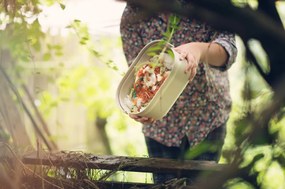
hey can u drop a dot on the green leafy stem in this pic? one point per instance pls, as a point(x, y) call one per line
point(163, 45)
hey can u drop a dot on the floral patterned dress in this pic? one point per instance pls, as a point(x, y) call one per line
point(205, 103)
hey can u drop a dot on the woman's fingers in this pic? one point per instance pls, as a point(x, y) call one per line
point(192, 73)
point(191, 67)
point(141, 119)
point(182, 53)
point(192, 62)
point(145, 120)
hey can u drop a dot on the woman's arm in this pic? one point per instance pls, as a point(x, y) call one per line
point(211, 53)
point(220, 53)
point(195, 52)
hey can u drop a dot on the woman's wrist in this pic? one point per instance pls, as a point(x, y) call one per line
point(211, 53)
point(199, 49)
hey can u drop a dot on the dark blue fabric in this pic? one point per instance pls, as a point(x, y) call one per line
point(158, 150)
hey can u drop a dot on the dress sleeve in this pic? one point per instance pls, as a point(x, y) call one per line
point(228, 42)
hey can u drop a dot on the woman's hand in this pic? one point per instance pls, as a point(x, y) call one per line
point(143, 120)
point(192, 54)
point(196, 52)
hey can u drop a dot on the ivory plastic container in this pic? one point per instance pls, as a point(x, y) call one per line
point(168, 92)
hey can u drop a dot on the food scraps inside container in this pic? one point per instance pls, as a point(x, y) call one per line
point(149, 76)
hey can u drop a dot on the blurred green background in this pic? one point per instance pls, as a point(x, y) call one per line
point(68, 55)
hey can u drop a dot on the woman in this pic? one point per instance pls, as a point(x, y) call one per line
point(201, 112)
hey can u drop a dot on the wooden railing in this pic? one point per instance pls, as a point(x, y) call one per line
point(74, 168)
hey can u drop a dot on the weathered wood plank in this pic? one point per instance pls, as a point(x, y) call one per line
point(32, 182)
point(120, 163)
point(53, 183)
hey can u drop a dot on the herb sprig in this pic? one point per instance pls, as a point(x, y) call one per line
point(162, 46)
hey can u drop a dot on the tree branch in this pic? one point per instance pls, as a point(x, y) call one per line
point(269, 8)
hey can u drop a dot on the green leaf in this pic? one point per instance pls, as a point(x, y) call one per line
point(82, 42)
point(201, 148)
point(46, 56)
point(58, 53)
point(62, 6)
point(86, 38)
point(96, 53)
